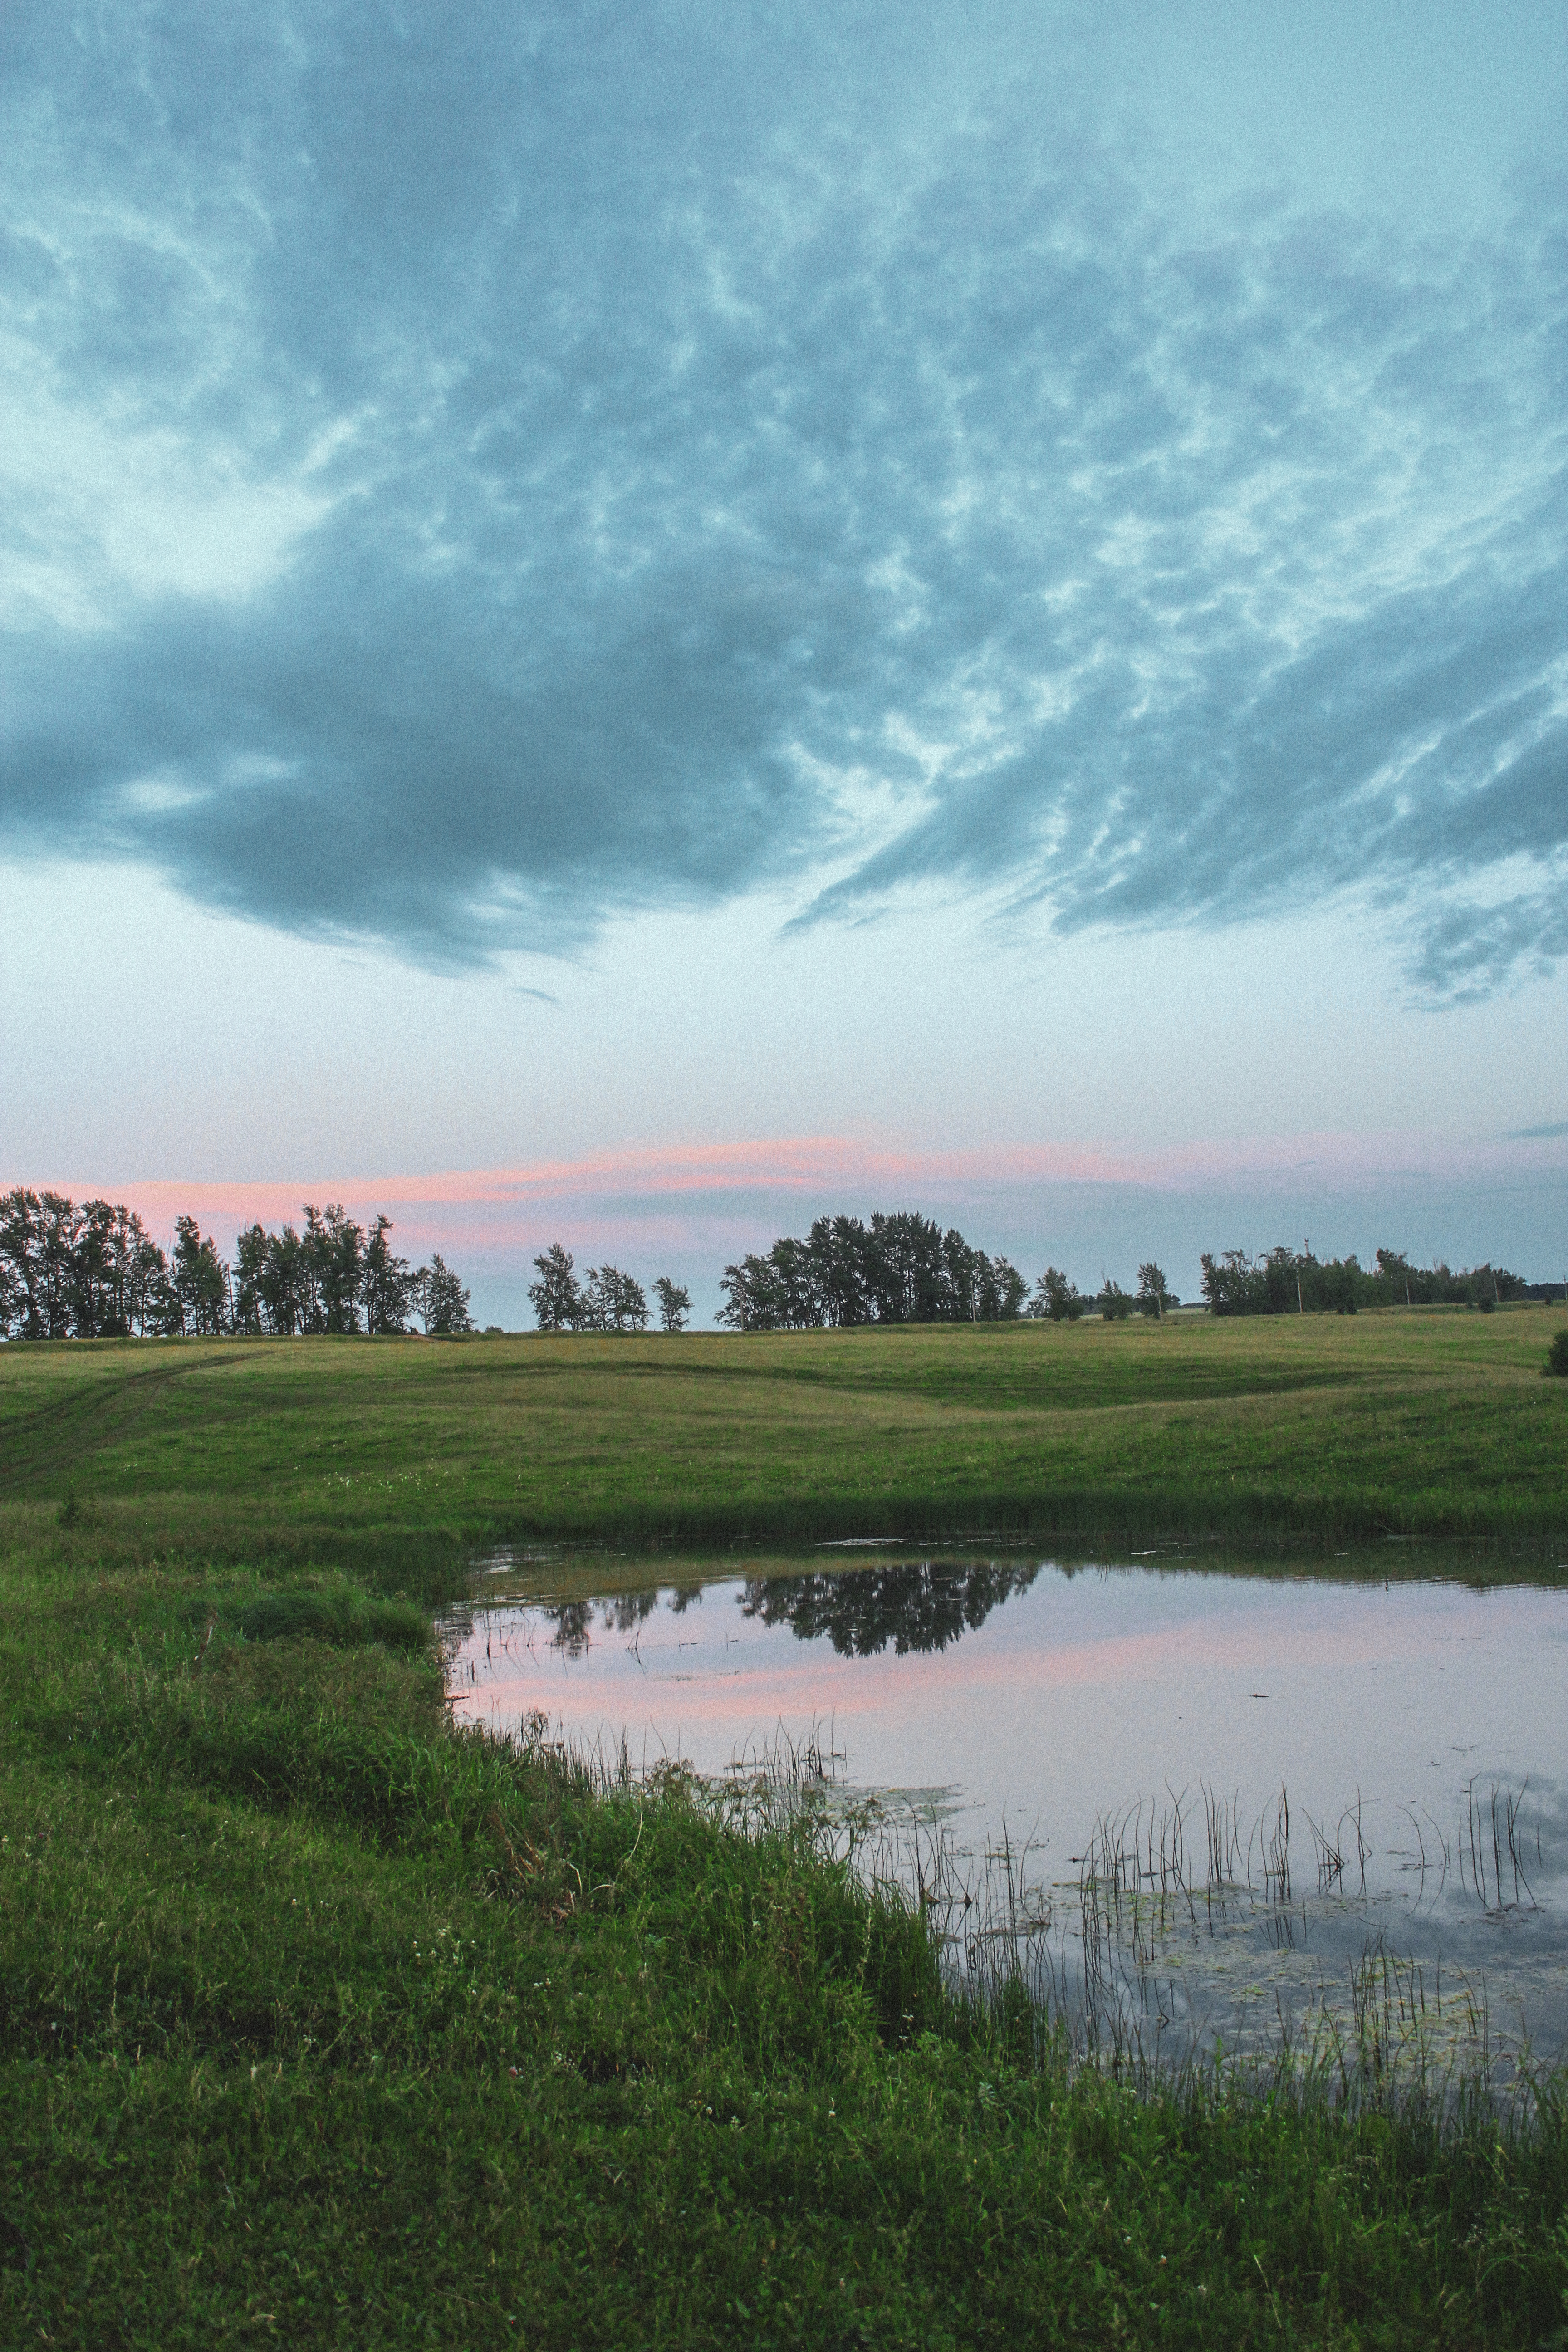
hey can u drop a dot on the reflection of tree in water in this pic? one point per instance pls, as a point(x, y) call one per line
point(915, 1604)
point(573, 1620)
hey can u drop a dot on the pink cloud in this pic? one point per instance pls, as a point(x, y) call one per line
point(662, 1191)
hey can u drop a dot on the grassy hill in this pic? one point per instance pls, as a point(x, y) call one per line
point(1314, 1427)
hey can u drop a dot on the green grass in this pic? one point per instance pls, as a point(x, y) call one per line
point(321, 2024)
point(1315, 1428)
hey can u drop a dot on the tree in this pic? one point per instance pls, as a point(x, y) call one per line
point(1232, 1284)
point(612, 1301)
point(1155, 1298)
point(905, 1268)
point(197, 1281)
point(1058, 1298)
point(1115, 1304)
point(836, 1249)
point(286, 1285)
point(21, 1253)
point(250, 1254)
point(754, 1297)
point(94, 1315)
point(95, 1272)
point(332, 1247)
point(150, 1287)
point(132, 1257)
point(441, 1299)
point(674, 1303)
point(20, 1232)
point(1394, 1271)
point(555, 1298)
point(1000, 1290)
point(58, 1229)
point(901, 1269)
point(385, 1282)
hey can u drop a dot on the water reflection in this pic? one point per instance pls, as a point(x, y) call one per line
point(1220, 1791)
point(617, 1612)
point(914, 1604)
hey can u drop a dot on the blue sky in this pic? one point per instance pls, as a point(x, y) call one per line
point(612, 580)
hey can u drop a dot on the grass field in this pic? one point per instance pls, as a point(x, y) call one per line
point(320, 2024)
point(1318, 1428)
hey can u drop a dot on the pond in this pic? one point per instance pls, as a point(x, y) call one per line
point(1191, 1805)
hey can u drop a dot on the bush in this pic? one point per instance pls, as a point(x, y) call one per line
point(1557, 1365)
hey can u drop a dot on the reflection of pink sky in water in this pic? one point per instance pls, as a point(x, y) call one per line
point(1089, 1690)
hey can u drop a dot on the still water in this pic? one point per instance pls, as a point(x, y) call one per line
point(1351, 1764)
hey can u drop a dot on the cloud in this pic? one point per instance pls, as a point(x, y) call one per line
point(483, 473)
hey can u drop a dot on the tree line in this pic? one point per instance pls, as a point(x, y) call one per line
point(605, 1300)
point(1283, 1281)
point(94, 1272)
point(903, 1268)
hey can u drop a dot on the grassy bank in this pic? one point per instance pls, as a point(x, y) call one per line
point(321, 2025)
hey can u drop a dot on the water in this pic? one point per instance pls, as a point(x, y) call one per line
point(1311, 1768)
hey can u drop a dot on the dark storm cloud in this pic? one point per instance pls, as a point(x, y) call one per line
point(722, 458)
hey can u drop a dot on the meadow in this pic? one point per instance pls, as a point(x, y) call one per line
point(321, 2022)
point(1317, 1428)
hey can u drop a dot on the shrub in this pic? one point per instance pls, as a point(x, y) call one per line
point(1557, 1365)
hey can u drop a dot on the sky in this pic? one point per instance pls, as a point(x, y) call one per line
point(629, 623)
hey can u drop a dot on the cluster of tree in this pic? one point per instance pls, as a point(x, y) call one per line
point(904, 1269)
point(898, 1269)
point(605, 1300)
point(336, 1276)
point(1063, 1302)
point(94, 1272)
point(1285, 1282)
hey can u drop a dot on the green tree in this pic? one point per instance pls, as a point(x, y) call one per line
point(1154, 1297)
point(150, 1287)
point(556, 1297)
point(755, 1299)
point(612, 1301)
point(93, 1313)
point(285, 1283)
point(250, 1254)
point(21, 1255)
point(59, 1229)
point(197, 1281)
point(385, 1282)
point(674, 1303)
point(333, 1246)
point(1058, 1298)
point(1232, 1282)
point(442, 1301)
point(1001, 1291)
